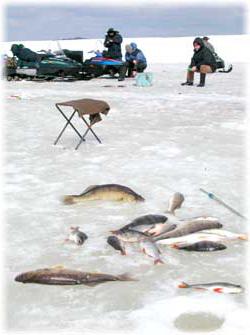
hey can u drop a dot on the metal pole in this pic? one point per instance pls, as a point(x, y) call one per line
point(89, 128)
point(214, 197)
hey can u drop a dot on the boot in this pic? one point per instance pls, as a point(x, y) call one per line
point(188, 83)
point(202, 80)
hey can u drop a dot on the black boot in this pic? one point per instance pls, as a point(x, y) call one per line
point(202, 80)
point(188, 83)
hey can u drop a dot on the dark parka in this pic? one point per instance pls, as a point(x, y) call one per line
point(203, 56)
point(114, 46)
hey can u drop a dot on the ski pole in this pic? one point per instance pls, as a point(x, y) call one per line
point(214, 197)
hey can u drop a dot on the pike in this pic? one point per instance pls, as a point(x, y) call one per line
point(62, 276)
point(200, 246)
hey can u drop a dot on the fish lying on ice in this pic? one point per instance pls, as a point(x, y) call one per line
point(227, 234)
point(200, 246)
point(175, 202)
point(62, 276)
point(192, 238)
point(188, 228)
point(201, 219)
point(152, 224)
point(111, 192)
point(130, 236)
point(150, 249)
point(77, 236)
point(117, 244)
point(218, 287)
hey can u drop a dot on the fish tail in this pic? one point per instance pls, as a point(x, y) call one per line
point(158, 261)
point(183, 285)
point(139, 198)
point(243, 237)
point(126, 277)
point(69, 199)
point(170, 212)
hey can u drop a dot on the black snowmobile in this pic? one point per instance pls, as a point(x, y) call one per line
point(220, 64)
point(27, 64)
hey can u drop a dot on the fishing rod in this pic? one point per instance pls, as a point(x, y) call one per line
point(214, 197)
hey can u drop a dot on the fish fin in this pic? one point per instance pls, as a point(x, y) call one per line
point(183, 285)
point(57, 266)
point(124, 253)
point(89, 188)
point(158, 261)
point(90, 284)
point(218, 290)
point(174, 246)
point(68, 199)
point(126, 277)
point(243, 237)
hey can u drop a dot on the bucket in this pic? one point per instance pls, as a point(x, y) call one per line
point(144, 79)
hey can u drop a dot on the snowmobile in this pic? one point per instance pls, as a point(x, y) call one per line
point(220, 64)
point(100, 65)
point(27, 64)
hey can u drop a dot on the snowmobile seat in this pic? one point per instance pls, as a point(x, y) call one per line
point(83, 107)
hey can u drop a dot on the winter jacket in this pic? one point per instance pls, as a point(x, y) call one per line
point(114, 46)
point(137, 55)
point(203, 56)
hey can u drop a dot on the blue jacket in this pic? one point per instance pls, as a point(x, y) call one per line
point(137, 55)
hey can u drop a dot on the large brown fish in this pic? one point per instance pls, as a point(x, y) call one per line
point(111, 192)
point(63, 276)
point(189, 228)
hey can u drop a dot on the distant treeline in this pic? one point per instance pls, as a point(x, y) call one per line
point(73, 38)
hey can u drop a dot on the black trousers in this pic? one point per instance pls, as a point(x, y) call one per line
point(139, 67)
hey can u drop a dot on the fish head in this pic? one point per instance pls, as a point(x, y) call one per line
point(24, 277)
point(74, 228)
point(116, 232)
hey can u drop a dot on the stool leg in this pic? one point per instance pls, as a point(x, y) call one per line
point(68, 122)
point(92, 131)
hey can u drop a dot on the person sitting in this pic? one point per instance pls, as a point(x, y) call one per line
point(135, 59)
point(113, 41)
point(203, 61)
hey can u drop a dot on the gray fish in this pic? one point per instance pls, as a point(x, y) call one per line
point(150, 249)
point(218, 287)
point(189, 228)
point(77, 236)
point(61, 276)
point(111, 192)
point(152, 224)
point(117, 244)
point(129, 235)
point(201, 246)
point(175, 202)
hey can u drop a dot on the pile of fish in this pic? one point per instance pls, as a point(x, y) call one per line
point(147, 232)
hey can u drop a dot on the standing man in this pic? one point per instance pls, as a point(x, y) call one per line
point(203, 61)
point(113, 41)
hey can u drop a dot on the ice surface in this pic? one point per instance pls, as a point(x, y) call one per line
point(156, 140)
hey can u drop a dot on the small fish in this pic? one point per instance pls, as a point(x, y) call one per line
point(111, 192)
point(218, 287)
point(77, 236)
point(201, 219)
point(150, 249)
point(201, 246)
point(152, 224)
point(189, 228)
point(175, 202)
point(129, 235)
point(117, 244)
point(62, 276)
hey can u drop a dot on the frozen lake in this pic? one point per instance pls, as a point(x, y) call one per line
point(156, 140)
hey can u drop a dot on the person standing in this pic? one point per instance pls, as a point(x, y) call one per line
point(203, 61)
point(113, 41)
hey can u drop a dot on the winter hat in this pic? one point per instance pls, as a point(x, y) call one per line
point(205, 38)
point(133, 45)
point(128, 48)
point(111, 30)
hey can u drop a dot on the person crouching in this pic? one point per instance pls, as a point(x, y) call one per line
point(203, 61)
point(135, 59)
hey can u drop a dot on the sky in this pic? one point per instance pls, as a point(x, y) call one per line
point(27, 22)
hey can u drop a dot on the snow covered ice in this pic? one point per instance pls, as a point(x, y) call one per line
point(156, 140)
